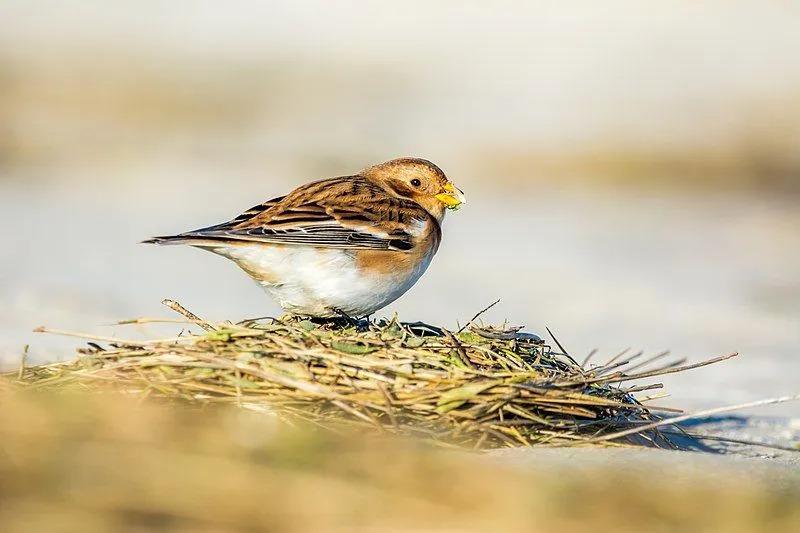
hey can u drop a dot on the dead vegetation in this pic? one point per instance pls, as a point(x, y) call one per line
point(478, 387)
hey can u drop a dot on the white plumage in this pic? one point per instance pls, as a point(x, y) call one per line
point(313, 281)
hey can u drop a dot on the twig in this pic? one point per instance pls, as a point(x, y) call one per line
point(614, 359)
point(588, 358)
point(564, 351)
point(43, 329)
point(462, 354)
point(178, 308)
point(648, 361)
point(479, 313)
point(691, 416)
point(669, 369)
point(148, 320)
point(389, 403)
point(733, 441)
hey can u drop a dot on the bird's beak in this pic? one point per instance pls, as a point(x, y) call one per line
point(452, 197)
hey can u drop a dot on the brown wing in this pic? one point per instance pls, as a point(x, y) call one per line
point(346, 212)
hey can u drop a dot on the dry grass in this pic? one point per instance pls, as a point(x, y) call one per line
point(480, 387)
point(209, 450)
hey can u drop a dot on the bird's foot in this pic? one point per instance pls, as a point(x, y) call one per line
point(361, 324)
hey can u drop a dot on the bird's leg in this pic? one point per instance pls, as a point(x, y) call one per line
point(364, 323)
point(347, 319)
point(361, 324)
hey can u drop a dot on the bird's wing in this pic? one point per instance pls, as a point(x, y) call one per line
point(346, 213)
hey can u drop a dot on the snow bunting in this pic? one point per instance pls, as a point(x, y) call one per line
point(351, 244)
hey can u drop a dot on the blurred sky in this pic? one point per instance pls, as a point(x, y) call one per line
point(631, 167)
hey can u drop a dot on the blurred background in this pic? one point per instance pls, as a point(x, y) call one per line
point(632, 170)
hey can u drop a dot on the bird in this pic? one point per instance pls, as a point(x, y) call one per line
point(343, 246)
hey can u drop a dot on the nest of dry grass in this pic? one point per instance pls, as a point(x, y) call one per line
point(480, 386)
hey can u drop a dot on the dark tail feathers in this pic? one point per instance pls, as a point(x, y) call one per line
point(174, 239)
point(187, 238)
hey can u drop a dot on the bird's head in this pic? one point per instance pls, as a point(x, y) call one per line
point(418, 180)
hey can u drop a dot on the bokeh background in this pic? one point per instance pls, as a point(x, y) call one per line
point(632, 169)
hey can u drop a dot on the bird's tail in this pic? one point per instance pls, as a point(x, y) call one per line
point(169, 239)
point(191, 239)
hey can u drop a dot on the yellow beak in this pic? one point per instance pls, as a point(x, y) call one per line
point(452, 197)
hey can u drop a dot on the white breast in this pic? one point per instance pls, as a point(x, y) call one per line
point(311, 281)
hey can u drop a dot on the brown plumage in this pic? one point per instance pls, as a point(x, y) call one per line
point(351, 244)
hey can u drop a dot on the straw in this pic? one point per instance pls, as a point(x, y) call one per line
point(479, 386)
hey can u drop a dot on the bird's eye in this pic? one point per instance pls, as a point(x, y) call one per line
point(415, 182)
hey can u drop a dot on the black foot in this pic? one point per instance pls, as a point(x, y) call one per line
point(345, 320)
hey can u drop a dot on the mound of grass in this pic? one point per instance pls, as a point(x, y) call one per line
point(478, 387)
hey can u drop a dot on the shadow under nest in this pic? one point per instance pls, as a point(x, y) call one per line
point(478, 387)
